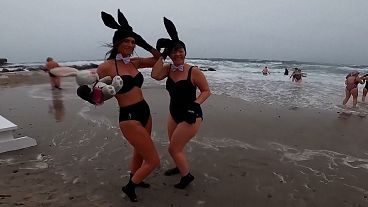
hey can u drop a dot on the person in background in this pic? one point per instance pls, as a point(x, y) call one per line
point(265, 71)
point(365, 89)
point(54, 80)
point(296, 76)
point(286, 71)
point(185, 116)
point(351, 81)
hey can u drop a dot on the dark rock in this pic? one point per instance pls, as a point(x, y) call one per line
point(18, 70)
point(3, 61)
point(211, 69)
point(84, 67)
point(36, 68)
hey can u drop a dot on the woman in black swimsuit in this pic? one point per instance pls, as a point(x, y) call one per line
point(134, 119)
point(185, 111)
point(365, 89)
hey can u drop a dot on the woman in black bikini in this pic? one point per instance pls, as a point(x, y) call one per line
point(134, 119)
point(185, 111)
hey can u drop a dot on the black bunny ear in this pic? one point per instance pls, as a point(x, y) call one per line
point(163, 43)
point(109, 21)
point(170, 28)
point(123, 21)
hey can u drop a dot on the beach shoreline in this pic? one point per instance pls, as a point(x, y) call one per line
point(245, 154)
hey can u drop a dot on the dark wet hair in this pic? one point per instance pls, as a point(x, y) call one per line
point(111, 54)
point(177, 45)
point(121, 35)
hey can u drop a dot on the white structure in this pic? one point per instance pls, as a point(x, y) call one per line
point(8, 142)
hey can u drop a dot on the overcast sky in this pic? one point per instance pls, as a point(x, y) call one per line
point(331, 31)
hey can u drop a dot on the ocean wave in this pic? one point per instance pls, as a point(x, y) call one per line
point(323, 88)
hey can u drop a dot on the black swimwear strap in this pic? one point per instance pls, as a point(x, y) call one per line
point(190, 72)
point(116, 67)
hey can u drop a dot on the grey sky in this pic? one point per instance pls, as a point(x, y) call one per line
point(333, 31)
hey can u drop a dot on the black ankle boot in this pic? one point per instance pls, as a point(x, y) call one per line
point(129, 190)
point(141, 184)
point(172, 171)
point(184, 181)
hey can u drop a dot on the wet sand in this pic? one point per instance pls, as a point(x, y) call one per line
point(245, 154)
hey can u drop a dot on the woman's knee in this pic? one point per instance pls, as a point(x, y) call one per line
point(154, 162)
point(173, 150)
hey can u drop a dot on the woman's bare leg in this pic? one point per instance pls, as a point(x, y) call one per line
point(141, 140)
point(354, 92)
point(182, 134)
point(137, 159)
point(347, 97)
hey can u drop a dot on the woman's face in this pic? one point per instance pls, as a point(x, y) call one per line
point(126, 46)
point(178, 56)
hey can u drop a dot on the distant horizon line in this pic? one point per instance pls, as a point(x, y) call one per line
point(225, 58)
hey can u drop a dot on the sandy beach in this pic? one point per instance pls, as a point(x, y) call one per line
point(245, 154)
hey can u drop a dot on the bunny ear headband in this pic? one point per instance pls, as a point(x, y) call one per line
point(123, 29)
point(171, 30)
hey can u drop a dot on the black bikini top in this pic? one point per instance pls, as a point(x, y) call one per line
point(129, 81)
point(182, 91)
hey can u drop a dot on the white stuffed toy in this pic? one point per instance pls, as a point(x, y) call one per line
point(90, 79)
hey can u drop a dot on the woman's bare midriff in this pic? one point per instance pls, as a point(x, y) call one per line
point(131, 97)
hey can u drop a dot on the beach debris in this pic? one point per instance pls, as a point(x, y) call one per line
point(281, 178)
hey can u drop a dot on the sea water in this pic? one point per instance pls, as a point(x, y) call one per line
point(323, 88)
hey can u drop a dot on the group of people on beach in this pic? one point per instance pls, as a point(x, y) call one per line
point(135, 119)
point(182, 81)
point(352, 80)
point(296, 75)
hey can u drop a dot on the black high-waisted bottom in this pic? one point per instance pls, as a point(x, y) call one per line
point(179, 112)
point(139, 111)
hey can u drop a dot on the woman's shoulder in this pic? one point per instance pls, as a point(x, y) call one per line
point(196, 69)
point(106, 66)
point(196, 72)
point(193, 67)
